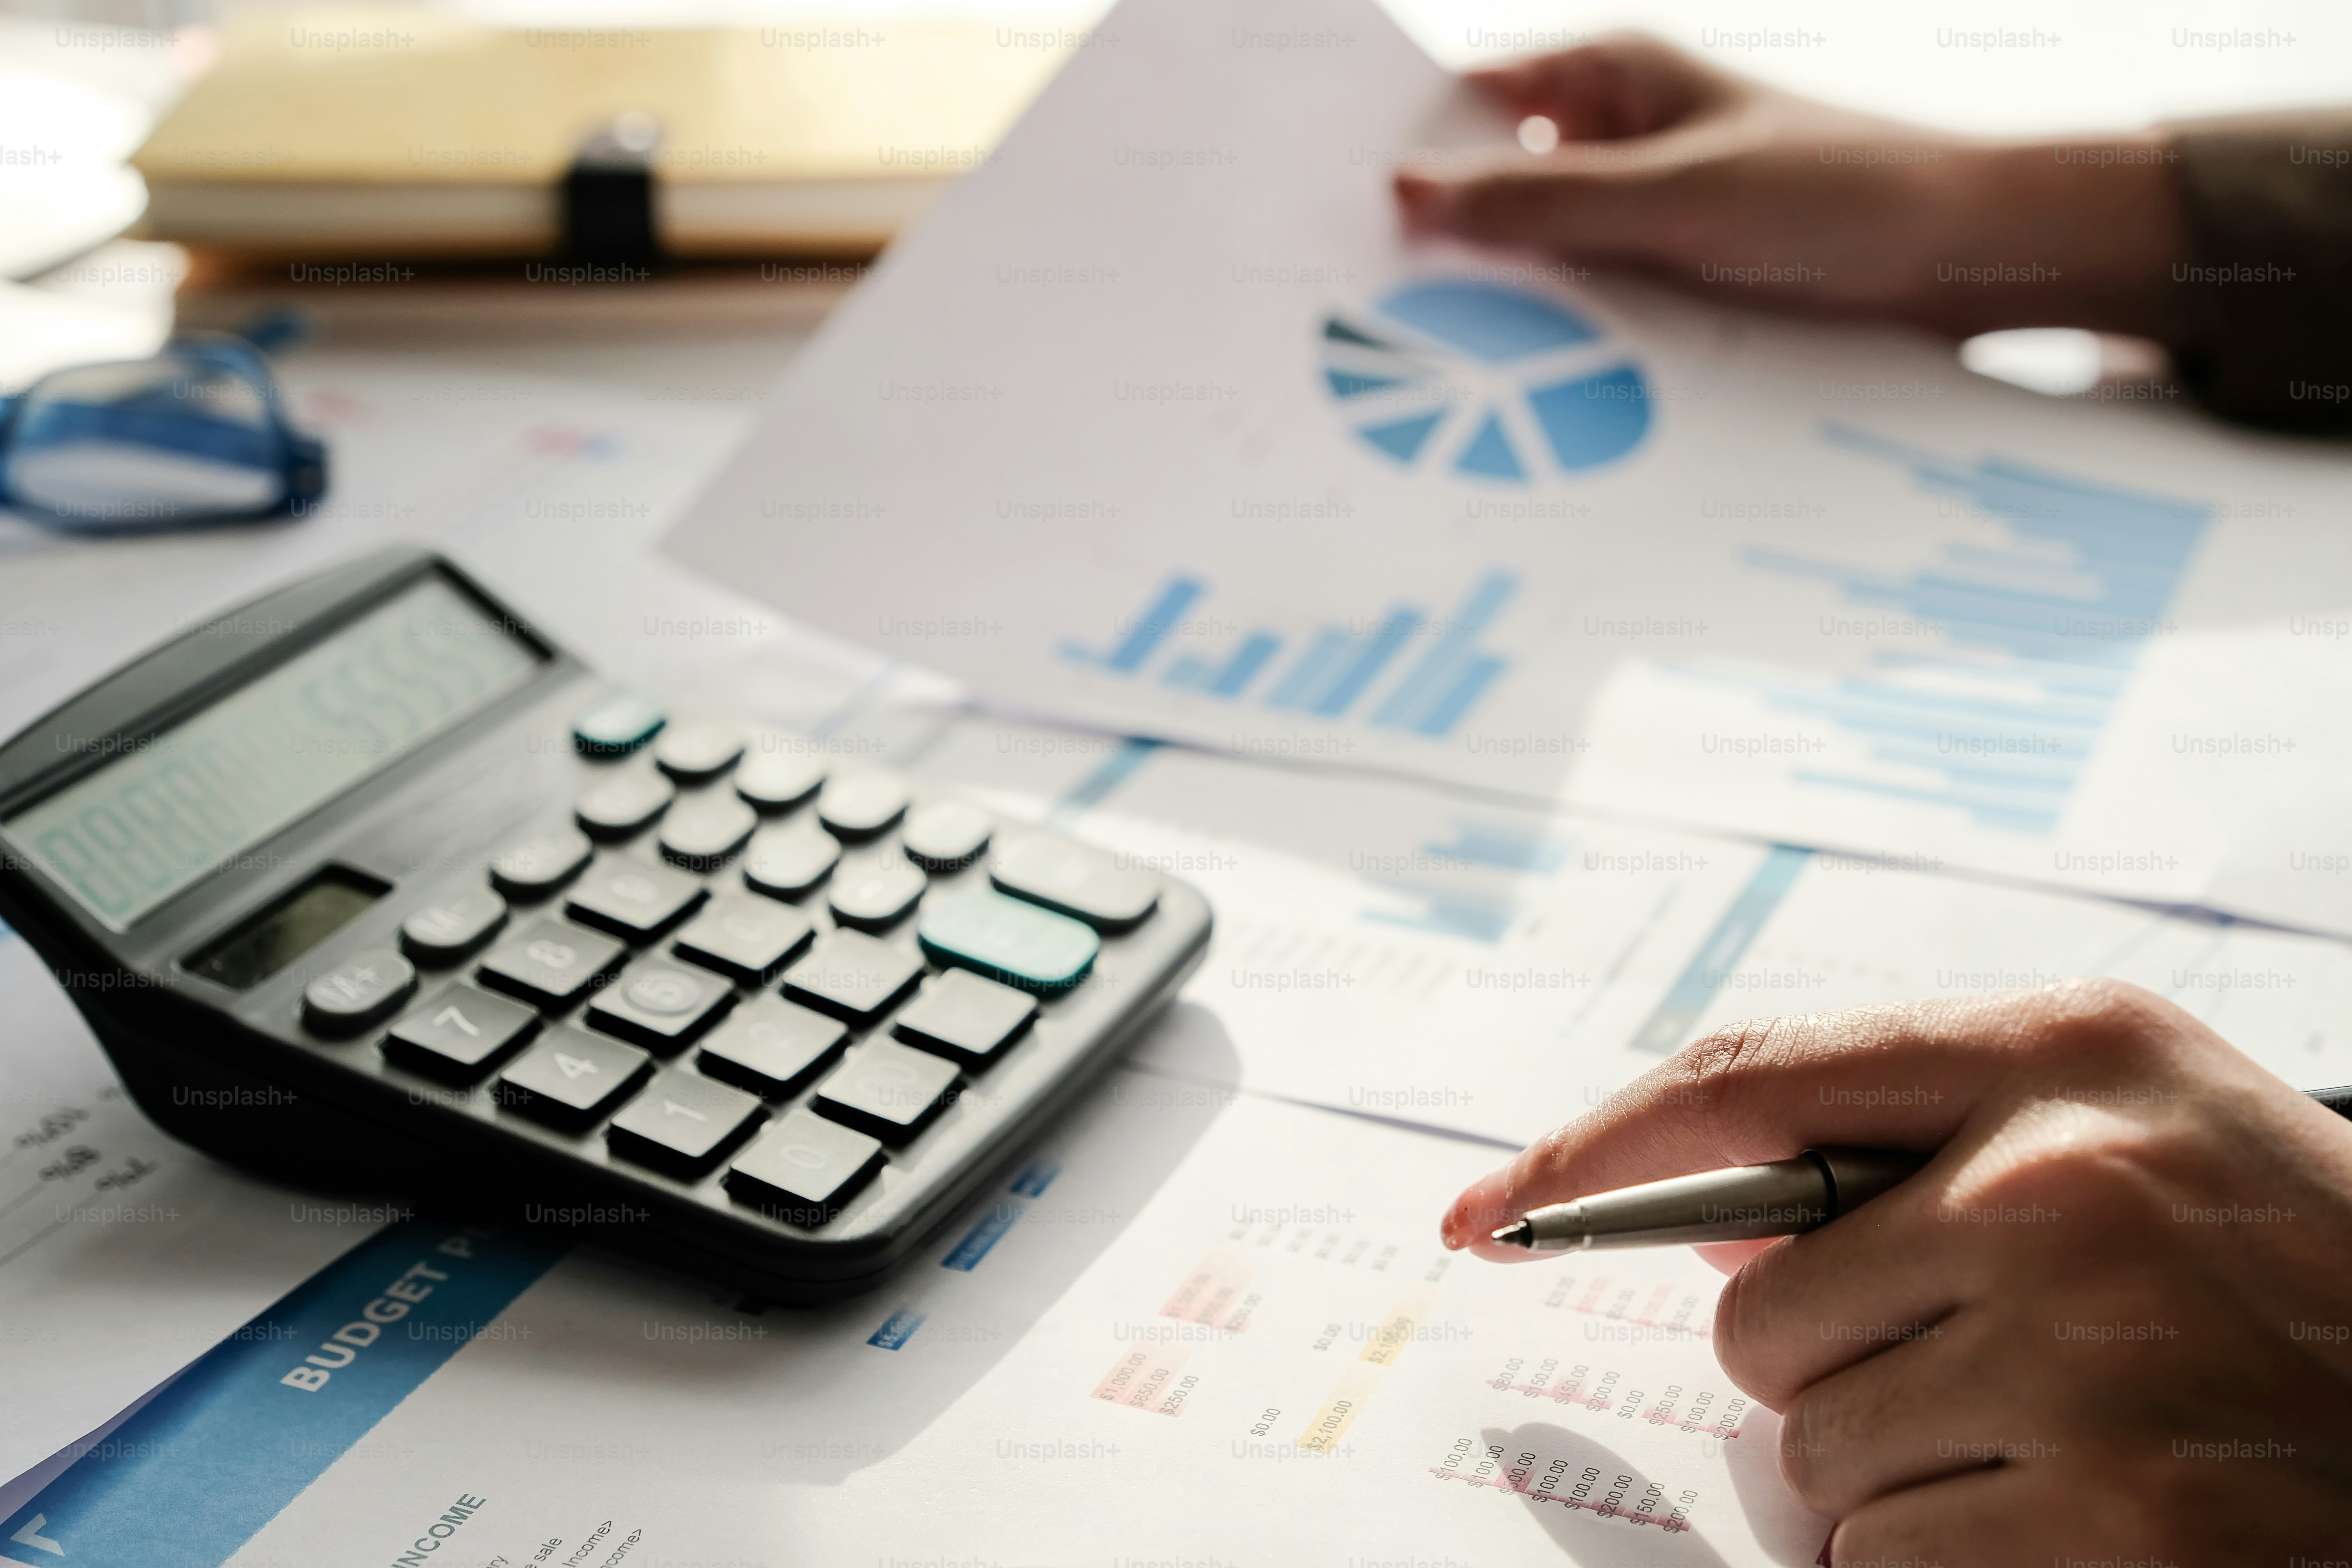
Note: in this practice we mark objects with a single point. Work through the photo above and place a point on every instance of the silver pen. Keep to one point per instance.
(1738, 1205)
(1744, 1202)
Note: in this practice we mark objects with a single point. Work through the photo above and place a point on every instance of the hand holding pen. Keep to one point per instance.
(2109, 1316)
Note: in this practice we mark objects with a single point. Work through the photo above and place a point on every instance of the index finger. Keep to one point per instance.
(1899, 1076)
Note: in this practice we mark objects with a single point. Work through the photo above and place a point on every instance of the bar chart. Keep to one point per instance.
(1403, 669)
(2021, 642)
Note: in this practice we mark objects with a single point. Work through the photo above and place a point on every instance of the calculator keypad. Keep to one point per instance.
(678, 992)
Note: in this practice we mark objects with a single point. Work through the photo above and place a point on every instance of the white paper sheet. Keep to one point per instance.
(1401, 950)
(123, 1255)
(1158, 423)
(1218, 1331)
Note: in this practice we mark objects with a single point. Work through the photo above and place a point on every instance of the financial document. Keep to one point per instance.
(123, 1255)
(1159, 423)
(1179, 1296)
(1406, 952)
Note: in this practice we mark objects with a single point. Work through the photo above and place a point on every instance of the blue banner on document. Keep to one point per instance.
(196, 1473)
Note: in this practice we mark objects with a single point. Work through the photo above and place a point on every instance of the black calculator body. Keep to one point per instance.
(369, 888)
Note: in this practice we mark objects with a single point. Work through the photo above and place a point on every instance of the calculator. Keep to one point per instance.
(369, 888)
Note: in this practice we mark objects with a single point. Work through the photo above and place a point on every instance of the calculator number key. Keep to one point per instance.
(744, 938)
(804, 1170)
(659, 1005)
(633, 899)
(772, 1047)
(572, 1077)
(682, 1125)
(457, 1034)
(549, 962)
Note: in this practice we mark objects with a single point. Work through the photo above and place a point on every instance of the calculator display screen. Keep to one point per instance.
(171, 806)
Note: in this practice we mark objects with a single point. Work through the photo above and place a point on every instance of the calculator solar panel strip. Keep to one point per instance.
(348, 952)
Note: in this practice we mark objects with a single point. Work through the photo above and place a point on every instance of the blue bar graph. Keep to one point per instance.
(1335, 671)
(1452, 675)
(1451, 911)
(1507, 845)
(2038, 637)
(1149, 630)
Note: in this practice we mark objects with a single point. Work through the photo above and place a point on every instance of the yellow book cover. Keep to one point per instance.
(377, 130)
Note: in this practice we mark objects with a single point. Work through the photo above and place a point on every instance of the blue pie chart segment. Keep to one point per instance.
(1593, 418)
(1471, 375)
(1487, 321)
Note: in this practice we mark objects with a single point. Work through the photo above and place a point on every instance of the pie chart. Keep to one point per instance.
(1489, 382)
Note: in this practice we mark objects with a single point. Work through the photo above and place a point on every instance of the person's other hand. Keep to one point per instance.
(1668, 165)
(2110, 1320)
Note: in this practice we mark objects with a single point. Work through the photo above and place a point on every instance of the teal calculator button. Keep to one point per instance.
(617, 725)
(1009, 941)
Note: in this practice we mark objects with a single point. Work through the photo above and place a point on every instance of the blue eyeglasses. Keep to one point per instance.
(193, 436)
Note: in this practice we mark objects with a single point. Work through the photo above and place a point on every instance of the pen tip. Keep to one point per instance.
(1514, 1234)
